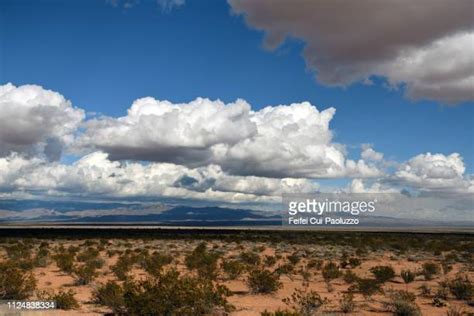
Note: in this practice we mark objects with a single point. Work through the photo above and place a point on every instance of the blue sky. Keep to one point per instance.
(103, 57)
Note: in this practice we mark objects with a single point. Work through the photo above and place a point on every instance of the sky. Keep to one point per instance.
(389, 101)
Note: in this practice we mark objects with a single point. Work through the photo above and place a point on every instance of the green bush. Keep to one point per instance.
(280, 312)
(442, 291)
(305, 303)
(315, 263)
(425, 290)
(84, 274)
(367, 287)
(294, 259)
(65, 261)
(18, 251)
(42, 255)
(154, 263)
(402, 303)
(269, 261)
(15, 284)
(123, 265)
(331, 271)
(407, 276)
(263, 282)
(382, 274)
(429, 269)
(346, 303)
(110, 295)
(88, 254)
(232, 268)
(286, 268)
(203, 261)
(350, 277)
(461, 287)
(171, 294)
(456, 311)
(64, 299)
(355, 262)
(250, 258)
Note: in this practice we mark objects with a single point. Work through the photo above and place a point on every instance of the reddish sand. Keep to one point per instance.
(51, 278)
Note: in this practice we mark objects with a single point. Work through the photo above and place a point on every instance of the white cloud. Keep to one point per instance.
(368, 153)
(96, 175)
(424, 44)
(433, 172)
(276, 142)
(36, 121)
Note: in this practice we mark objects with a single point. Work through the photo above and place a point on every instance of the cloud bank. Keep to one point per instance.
(425, 45)
(202, 150)
(35, 121)
(276, 142)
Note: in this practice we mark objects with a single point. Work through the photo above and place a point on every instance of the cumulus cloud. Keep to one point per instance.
(426, 45)
(433, 172)
(368, 153)
(275, 142)
(96, 175)
(36, 121)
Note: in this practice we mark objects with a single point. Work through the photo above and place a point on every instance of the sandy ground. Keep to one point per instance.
(51, 278)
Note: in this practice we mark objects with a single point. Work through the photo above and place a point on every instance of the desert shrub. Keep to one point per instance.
(110, 294)
(305, 303)
(429, 269)
(382, 274)
(331, 271)
(407, 276)
(41, 259)
(280, 312)
(203, 261)
(269, 261)
(15, 284)
(402, 303)
(84, 274)
(446, 267)
(171, 294)
(110, 253)
(442, 291)
(425, 290)
(18, 251)
(89, 243)
(64, 299)
(263, 281)
(250, 258)
(154, 263)
(286, 268)
(346, 303)
(88, 254)
(315, 263)
(349, 277)
(123, 266)
(455, 311)
(294, 259)
(438, 302)
(367, 287)
(64, 261)
(73, 250)
(233, 268)
(451, 257)
(354, 262)
(461, 287)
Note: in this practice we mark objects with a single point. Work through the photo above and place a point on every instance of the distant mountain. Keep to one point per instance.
(186, 214)
(125, 212)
